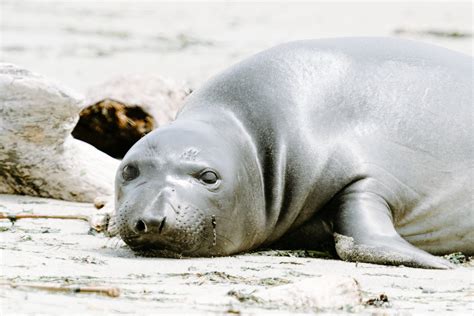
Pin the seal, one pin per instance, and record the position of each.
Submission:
(365, 141)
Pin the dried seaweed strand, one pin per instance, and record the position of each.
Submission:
(108, 291)
(15, 217)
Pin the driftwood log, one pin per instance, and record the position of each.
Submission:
(38, 155)
(160, 97)
(123, 109)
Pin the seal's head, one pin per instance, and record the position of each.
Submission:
(190, 189)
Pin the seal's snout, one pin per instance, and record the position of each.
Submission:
(179, 229)
(146, 225)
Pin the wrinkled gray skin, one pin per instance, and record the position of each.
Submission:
(365, 140)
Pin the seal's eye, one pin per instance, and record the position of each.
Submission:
(208, 177)
(130, 172)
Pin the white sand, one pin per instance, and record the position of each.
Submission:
(58, 252)
(84, 43)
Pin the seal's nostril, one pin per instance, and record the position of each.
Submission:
(162, 225)
(140, 226)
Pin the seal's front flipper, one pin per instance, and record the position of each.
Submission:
(364, 232)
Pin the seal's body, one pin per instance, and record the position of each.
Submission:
(367, 139)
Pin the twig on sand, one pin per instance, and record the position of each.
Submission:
(15, 217)
(108, 291)
(99, 222)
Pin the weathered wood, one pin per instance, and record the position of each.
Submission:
(160, 97)
(38, 156)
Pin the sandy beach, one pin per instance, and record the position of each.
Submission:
(67, 253)
(84, 43)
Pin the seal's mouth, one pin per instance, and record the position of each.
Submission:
(170, 251)
(153, 245)
(157, 245)
(186, 232)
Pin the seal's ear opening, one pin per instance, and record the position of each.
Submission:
(113, 127)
